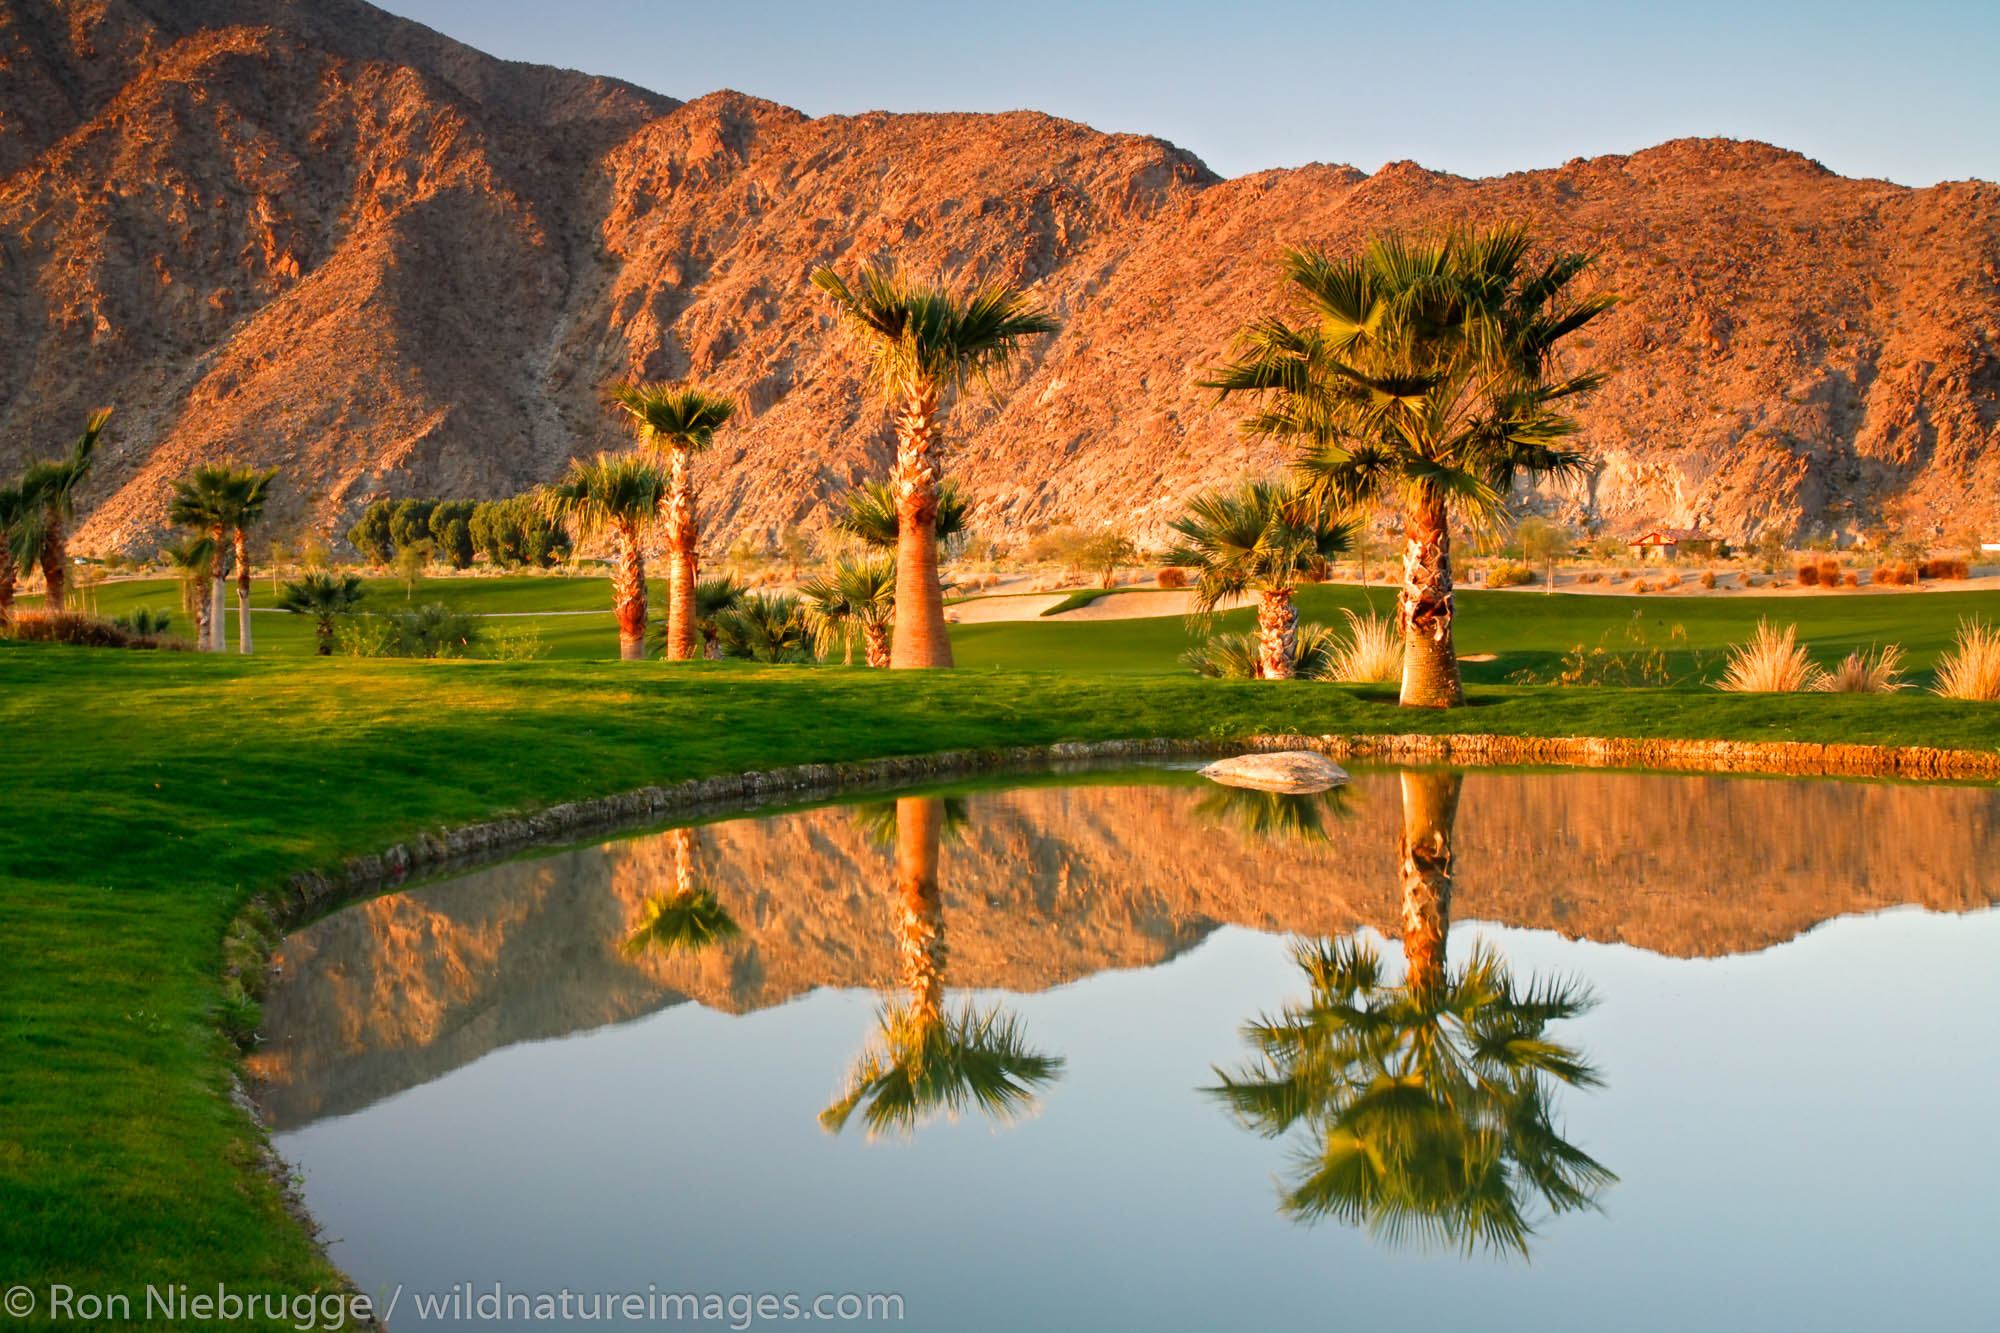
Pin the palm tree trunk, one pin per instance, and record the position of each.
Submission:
(711, 645)
(1424, 608)
(1430, 809)
(242, 592)
(877, 635)
(323, 636)
(10, 575)
(55, 562)
(921, 639)
(1277, 635)
(628, 594)
(683, 839)
(920, 905)
(681, 540)
(217, 629)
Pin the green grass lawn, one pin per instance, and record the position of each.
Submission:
(1525, 630)
(150, 794)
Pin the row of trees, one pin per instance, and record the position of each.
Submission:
(512, 533)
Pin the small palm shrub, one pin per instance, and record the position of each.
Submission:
(146, 623)
(1171, 577)
(765, 628)
(1508, 574)
(1772, 663)
(1235, 656)
(1372, 650)
(1971, 670)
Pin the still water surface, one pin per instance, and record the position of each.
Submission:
(1515, 1050)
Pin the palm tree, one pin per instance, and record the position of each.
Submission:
(1276, 815)
(49, 488)
(1262, 538)
(191, 559)
(765, 629)
(208, 502)
(711, 598)
(925, 1058)
(19, 534)
(679, 420)
(1425, 372)
(857, 595)
(923, 342)
(619, 496)
(688, 920)
(870, 515)
(1429, 1103)
(249, 489)
(322, 596)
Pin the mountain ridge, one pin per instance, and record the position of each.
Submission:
(322, 238)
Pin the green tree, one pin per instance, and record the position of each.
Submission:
(15, 516)
(923, 342)
(410, 522)
(48, 494)
(1260, 539)
(370, 534)
(680, 421)
(619, 498)
(450, 526)
(323, 597)
(1107, 549)
(1543, 543)
(1427, 373)
(858, 596)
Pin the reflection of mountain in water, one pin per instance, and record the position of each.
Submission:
(1049, 884)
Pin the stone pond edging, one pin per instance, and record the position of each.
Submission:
(267, 918)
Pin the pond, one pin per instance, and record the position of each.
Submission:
(1128, 1050)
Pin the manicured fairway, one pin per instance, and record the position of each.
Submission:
(150, 794)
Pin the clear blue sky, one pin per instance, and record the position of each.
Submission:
(1908, 91)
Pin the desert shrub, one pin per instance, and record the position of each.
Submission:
(1630, 658)
(1640, 586)
(1772, 663)
(1509, 574)
(1876, 671)
(431, 630)
(1372, 650)
(362, 636)
(1590, 576)
(1829, 574)
(1708, 579)
(1883, 575)
(76, 629)
(1234, 656)
(518, 642)
(1672, 580)
(1808, 576)
(1850, 580)
(1752, 581)
(1971, 669)
(1171, 577)
(1943, 569)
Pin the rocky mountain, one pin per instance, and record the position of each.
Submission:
(306, 234)
(1043, 886)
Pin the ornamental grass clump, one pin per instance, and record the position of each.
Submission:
(1239, 656)
(1372, 650)
(1772, 663)
(1876, 671)
(1971, 670)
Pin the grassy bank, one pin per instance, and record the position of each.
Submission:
(150, 794)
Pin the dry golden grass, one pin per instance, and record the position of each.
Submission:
(1877, 671)
(1371, 651)
(1971, 669)
(1772, 663)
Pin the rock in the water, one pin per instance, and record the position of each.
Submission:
(1287, 770)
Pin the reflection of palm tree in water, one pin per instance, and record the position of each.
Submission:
(926, 1058)
(1427, 1104)
(688, 920)
(1274, 815)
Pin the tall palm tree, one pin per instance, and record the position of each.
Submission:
(689, 919)
(869, 515)
(679, 420)
(1262, 538)
(618, 496)
(923, 342)
(1429, 1103)
(1426, 371)
(209, 502)
(859, 595)
(927, 1058)
(19, 537)
(323, 597)
(50, 488)
(249, 489)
